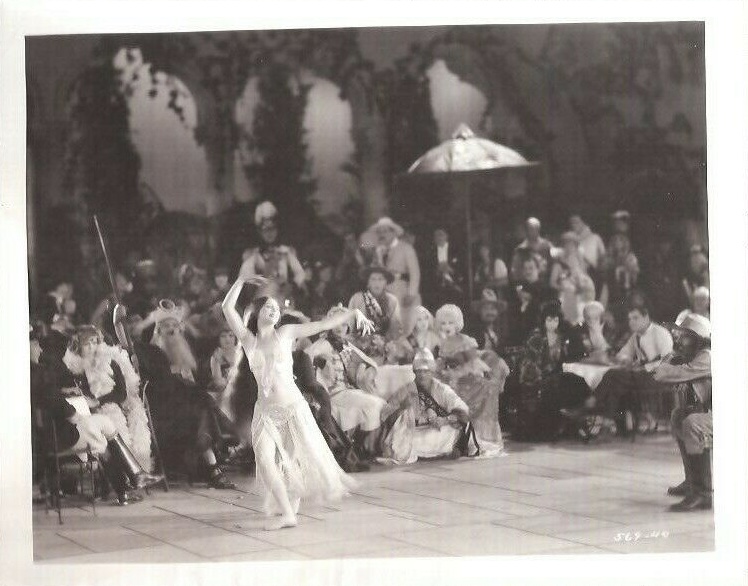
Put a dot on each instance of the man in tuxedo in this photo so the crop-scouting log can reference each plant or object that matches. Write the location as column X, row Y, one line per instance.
column 443, row 272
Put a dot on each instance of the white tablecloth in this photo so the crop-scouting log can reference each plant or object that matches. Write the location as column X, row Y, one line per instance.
column 591, row 373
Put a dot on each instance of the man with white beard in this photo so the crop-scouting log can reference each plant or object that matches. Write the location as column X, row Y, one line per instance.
column 182, row 412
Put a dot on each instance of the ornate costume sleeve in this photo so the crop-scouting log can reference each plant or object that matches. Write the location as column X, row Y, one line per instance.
column 699, row 367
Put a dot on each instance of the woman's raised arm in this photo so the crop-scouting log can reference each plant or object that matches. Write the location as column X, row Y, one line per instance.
column 234, row 319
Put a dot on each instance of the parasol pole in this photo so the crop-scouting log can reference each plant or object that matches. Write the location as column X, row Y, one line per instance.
column 462, row 191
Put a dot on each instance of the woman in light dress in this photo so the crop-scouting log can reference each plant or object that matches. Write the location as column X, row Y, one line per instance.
column 293, row 461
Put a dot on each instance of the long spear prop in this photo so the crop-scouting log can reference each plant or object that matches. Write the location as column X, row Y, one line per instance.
column 119, row 313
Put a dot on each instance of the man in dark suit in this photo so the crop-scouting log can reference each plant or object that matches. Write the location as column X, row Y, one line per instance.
column 443, row 272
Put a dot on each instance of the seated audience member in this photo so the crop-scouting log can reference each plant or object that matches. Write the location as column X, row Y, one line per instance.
column 146, row 289
column 699, row 305
column 195, row 289
column 541, row 376
column 621, row 226
column 697, row 273
column 378, row 304
column 339, row 366
column 591, row 247
column 630, row 386
column 443, row 277
column 461, row 366
column 523, row 312
column 322, row 291
column 52, row 305
column 534, row 245
column 423, row 336
column 435, row 418
column 490, row 272
column 78, row 430
column 689, row 370
column 491, row 329
column 598, row 337
column 220, row 285
column 319, row 401
column 183, row 412
column 222, row 359
column 111, row 387
column 67, row 320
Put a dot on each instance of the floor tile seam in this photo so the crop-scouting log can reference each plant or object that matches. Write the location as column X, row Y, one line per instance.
column 426, row 547
column 209, row 524
column 528, row 493
column 164, row 542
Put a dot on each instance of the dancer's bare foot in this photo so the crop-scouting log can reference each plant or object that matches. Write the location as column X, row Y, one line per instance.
column 282, row 522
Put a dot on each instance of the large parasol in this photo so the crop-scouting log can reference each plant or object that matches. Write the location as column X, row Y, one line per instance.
column 462, row 157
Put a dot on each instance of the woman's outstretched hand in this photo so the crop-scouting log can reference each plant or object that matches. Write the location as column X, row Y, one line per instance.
column 364, row 325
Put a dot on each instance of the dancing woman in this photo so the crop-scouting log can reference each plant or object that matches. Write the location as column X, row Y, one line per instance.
column 292, row 458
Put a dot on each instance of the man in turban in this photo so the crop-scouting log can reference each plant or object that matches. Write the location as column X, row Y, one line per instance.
column 425, row 418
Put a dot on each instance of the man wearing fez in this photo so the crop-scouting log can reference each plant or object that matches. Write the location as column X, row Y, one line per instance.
column 400, row 259
column 277, row 262
column 425, row 418
column 689, row 369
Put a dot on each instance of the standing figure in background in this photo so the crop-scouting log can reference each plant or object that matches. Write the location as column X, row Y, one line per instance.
column 443, row 277
column 592, row 248
column 400, row 259
column 622, row 283
column 277, row 262
column 621, row 225
column 536, row 245
column 697, row 273
column 349, row 267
